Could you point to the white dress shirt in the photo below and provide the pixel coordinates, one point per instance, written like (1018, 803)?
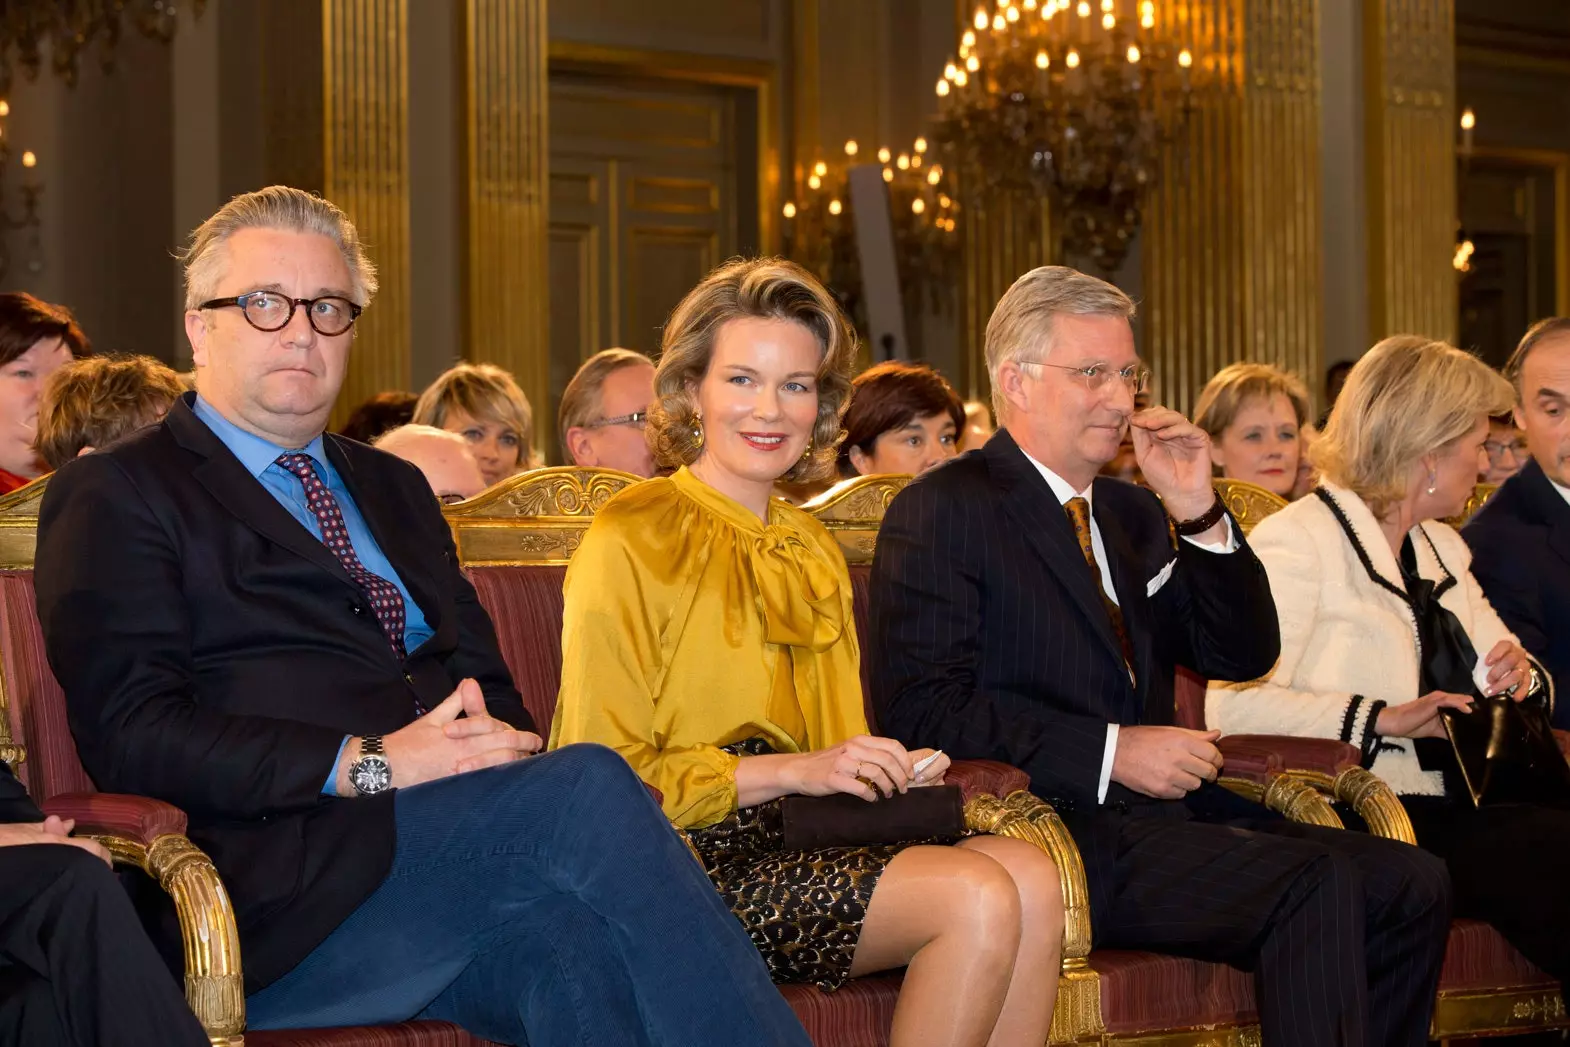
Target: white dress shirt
(1564, 492)
(1064, 491)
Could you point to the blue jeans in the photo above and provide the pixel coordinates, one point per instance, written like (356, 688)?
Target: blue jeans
(542, 902)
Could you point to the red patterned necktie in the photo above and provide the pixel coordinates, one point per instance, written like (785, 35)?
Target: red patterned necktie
(384, 596)
(1078, 510)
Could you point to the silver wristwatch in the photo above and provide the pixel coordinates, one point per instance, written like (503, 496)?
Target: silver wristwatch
(371, 773)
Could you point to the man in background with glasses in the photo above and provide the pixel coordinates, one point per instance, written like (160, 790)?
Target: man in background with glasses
(602, 412)
(267, 627)
(1026, 610)
(1520, 539)
(442, 456)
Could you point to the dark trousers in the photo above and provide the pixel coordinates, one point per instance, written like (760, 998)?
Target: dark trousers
(76, 968)
(545, 902)
(1345, 933)
(1510, 865)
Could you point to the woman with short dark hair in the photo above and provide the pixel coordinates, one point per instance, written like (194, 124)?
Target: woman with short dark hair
(36, 339)
(903, 418)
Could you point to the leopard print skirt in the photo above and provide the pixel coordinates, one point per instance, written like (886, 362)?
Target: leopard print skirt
(802, 909)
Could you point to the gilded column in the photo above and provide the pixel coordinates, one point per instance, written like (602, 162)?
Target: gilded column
(507, 150)
(365, 74)
(1232, 233)
(1409, 97)
(1005, 236)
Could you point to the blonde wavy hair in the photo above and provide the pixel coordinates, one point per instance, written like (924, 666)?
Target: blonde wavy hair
(486, 393)
(1407, 397)
(1238, 384)
(763, 289)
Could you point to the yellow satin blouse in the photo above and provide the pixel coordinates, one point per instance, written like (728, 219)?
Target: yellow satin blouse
(690, 624)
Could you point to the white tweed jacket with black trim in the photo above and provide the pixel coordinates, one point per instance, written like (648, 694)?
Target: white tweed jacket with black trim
(1348, 643)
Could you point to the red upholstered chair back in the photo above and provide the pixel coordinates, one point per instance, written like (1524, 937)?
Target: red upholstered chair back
(1189, 698)
(525, 604)
(34, 702)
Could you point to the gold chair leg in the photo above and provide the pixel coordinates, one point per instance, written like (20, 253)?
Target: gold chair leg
(214, 986)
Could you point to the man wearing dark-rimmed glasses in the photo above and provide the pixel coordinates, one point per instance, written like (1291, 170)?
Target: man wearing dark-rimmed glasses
(603, 408)
(265, 625)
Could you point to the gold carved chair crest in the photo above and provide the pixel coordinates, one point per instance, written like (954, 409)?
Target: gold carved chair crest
(536, 517)
(853, 511)
(1248, 503)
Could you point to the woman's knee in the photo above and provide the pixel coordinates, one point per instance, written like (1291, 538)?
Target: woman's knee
(1036, 880)
(979, 899)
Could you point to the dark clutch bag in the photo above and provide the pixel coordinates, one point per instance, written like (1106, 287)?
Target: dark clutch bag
(842, 820)
(1507, 752)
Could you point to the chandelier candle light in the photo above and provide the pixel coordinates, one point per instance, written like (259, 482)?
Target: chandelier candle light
(1071, 101)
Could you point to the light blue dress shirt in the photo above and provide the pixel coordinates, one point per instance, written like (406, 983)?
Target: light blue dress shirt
(260, 458)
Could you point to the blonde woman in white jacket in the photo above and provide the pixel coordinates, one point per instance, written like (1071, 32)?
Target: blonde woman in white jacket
(1372, 591)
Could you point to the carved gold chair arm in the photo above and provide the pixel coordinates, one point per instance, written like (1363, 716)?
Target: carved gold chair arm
(1077, 1018)
(1286, 794)
(1367, 794)
(1024, 817)
(213, 983)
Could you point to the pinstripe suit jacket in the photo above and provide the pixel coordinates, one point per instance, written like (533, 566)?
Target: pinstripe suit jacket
(989, 638)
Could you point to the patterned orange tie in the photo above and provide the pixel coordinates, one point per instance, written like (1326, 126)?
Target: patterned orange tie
(1079, 515)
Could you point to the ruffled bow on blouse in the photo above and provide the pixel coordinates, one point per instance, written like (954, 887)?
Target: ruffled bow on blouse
(690, 624)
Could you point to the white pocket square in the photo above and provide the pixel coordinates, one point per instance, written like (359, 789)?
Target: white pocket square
(1153, 586)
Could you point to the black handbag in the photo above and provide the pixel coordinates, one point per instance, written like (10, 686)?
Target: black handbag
(1507, 752)
(843, 820)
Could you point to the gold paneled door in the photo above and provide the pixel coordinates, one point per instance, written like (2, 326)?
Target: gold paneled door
(646, 180)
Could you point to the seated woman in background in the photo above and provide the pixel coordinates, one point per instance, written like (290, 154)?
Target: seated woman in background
(36, 339)
(1383, 625)
(483, 404)
(379, 414)
(88, 404)
(708, 637)
(1254, 414)
(903, 418)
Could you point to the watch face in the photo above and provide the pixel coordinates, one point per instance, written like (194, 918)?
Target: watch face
(371, 774)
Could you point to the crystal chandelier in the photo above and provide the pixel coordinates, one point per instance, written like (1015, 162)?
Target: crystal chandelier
(1071, 101)
(71, 26)
(820, 230)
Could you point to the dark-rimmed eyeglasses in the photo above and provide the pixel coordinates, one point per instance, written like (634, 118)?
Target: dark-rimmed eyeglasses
(637, 418)
(270, 311)
(1136, 377)
(1496, 449)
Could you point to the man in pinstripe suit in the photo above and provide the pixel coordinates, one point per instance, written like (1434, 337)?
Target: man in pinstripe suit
(1024, 610)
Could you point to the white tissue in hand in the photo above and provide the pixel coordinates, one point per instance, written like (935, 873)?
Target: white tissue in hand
(1480, 678)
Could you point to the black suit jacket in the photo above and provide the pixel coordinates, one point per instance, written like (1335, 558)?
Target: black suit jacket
(214, 654)
(1521, 556)
(989, 638)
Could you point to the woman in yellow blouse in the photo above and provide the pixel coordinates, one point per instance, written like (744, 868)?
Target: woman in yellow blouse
(708, 638)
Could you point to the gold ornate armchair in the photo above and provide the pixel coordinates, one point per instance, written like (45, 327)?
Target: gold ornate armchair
(1480, 496)
(853, 509)
(535, 517)
(148, 834)
(1248, 503)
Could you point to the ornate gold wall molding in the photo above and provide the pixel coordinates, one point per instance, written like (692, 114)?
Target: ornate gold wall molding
(507, 149)
(365, 75)
(1232, 239)
(1409, 95)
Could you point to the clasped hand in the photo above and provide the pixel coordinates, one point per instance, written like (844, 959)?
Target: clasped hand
(1165, 762)
(440, 743)
(864, 766)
